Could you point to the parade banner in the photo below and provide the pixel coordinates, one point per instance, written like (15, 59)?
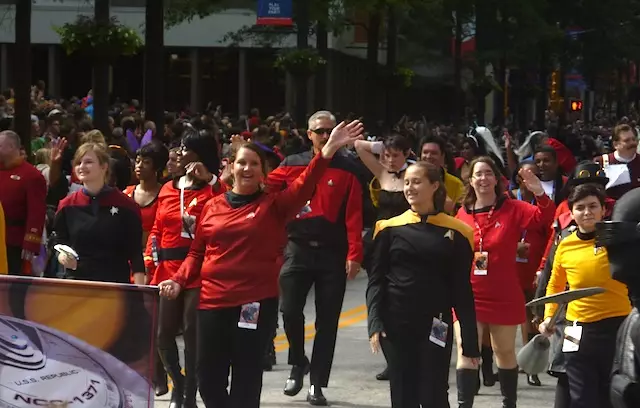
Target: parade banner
(275, 12)
(76, 343)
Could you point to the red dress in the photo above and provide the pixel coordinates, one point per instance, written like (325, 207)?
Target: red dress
(498, 296)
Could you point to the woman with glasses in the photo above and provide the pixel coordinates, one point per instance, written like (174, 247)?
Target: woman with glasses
(498, 223)
(180, 203)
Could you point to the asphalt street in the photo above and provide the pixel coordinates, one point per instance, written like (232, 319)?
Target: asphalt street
(353, 382)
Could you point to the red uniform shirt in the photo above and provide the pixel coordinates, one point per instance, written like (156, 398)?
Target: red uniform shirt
(237, 244)
(498, 295)
(334, 208)
(169, 229)
(148, 212)
(23, 192)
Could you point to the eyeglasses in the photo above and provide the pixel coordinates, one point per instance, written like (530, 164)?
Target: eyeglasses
(322, 131)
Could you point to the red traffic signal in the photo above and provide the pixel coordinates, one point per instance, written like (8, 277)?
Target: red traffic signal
(575, 105)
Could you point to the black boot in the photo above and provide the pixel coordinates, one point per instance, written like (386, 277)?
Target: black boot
(296, 378)
(269, 359)
(488, 376)
(315, 397)
(467, 380)
(160, 378)
(383, 375)
(172, 366)
(190, 381)
(509, 386)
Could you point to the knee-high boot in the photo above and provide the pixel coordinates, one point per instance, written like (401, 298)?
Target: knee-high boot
(508, 386)
(488, 376)
(467, 383)
(190, 380)
(160, 377)
(172, 366)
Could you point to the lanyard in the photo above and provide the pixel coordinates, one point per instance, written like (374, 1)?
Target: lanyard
(481, 230)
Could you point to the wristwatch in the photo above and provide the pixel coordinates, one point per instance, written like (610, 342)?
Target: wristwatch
(42, 366)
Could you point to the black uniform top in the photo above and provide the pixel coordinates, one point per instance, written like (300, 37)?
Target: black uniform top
(106, 232)
(421, 268)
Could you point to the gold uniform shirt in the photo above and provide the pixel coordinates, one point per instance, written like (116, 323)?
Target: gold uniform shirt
(454, 186)
(578, 264)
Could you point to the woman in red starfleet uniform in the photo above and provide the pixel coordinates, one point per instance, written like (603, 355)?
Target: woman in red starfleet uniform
(238, 241)
(498, 223)
(180, 203)
(150, 163)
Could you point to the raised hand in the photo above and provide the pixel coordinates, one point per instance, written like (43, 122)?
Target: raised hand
(531, 182)
(58, 149)
(342, 135)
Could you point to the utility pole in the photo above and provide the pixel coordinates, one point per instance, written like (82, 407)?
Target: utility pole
(101, 76)
(22, 75)
(154, 63)
(303, 23)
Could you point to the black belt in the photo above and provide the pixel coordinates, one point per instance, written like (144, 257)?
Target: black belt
(12, 222)
(172, 254)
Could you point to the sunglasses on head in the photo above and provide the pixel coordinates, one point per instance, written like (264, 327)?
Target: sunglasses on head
(322, 131)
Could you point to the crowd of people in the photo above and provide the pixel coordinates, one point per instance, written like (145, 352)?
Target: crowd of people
(236, 220)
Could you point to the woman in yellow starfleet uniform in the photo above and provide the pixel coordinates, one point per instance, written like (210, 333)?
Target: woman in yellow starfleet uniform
(592, 322)
(410, 304)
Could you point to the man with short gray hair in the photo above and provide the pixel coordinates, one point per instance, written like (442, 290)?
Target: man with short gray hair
(23, 197)
(324, 249)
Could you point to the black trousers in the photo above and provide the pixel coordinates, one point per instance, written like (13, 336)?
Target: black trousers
(589, 368)
(418, 368)
(223, 345)
(324, 269)
(14, 260)
(175, 315)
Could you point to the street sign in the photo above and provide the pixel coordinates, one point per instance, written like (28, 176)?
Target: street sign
(275, 13)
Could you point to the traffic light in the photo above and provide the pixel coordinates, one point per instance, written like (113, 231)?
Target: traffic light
(575, 105)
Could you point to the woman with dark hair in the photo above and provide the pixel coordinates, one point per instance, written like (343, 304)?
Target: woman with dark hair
(433, 149)
(595, 319)
(387, 161)
(237, 264)
(498, 223)
(410, 310)
(180, 204)
(150, 163)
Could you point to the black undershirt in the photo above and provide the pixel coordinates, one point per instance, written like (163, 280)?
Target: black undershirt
(238, 200)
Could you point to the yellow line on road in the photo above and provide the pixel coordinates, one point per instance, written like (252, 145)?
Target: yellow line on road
(349, 318)
(282, 338)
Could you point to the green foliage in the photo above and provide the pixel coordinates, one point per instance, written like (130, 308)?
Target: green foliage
(86, 36)
(299, 61)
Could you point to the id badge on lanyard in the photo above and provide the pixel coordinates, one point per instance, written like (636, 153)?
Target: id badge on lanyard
(481, 257)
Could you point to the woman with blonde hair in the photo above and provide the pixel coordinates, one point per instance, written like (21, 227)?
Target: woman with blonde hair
(100, 224)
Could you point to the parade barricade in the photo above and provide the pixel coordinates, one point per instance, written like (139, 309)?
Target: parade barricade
(76, 343)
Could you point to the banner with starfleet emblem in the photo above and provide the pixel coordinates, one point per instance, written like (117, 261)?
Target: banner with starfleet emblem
(275, 13)
(70, 343)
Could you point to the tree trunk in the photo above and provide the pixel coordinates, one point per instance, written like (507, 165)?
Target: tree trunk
(373, 47)
(154, 82)
(392, 61)
(322, 45)
(302, 22)
(101, 77)
(22, 74)
(457, 69)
